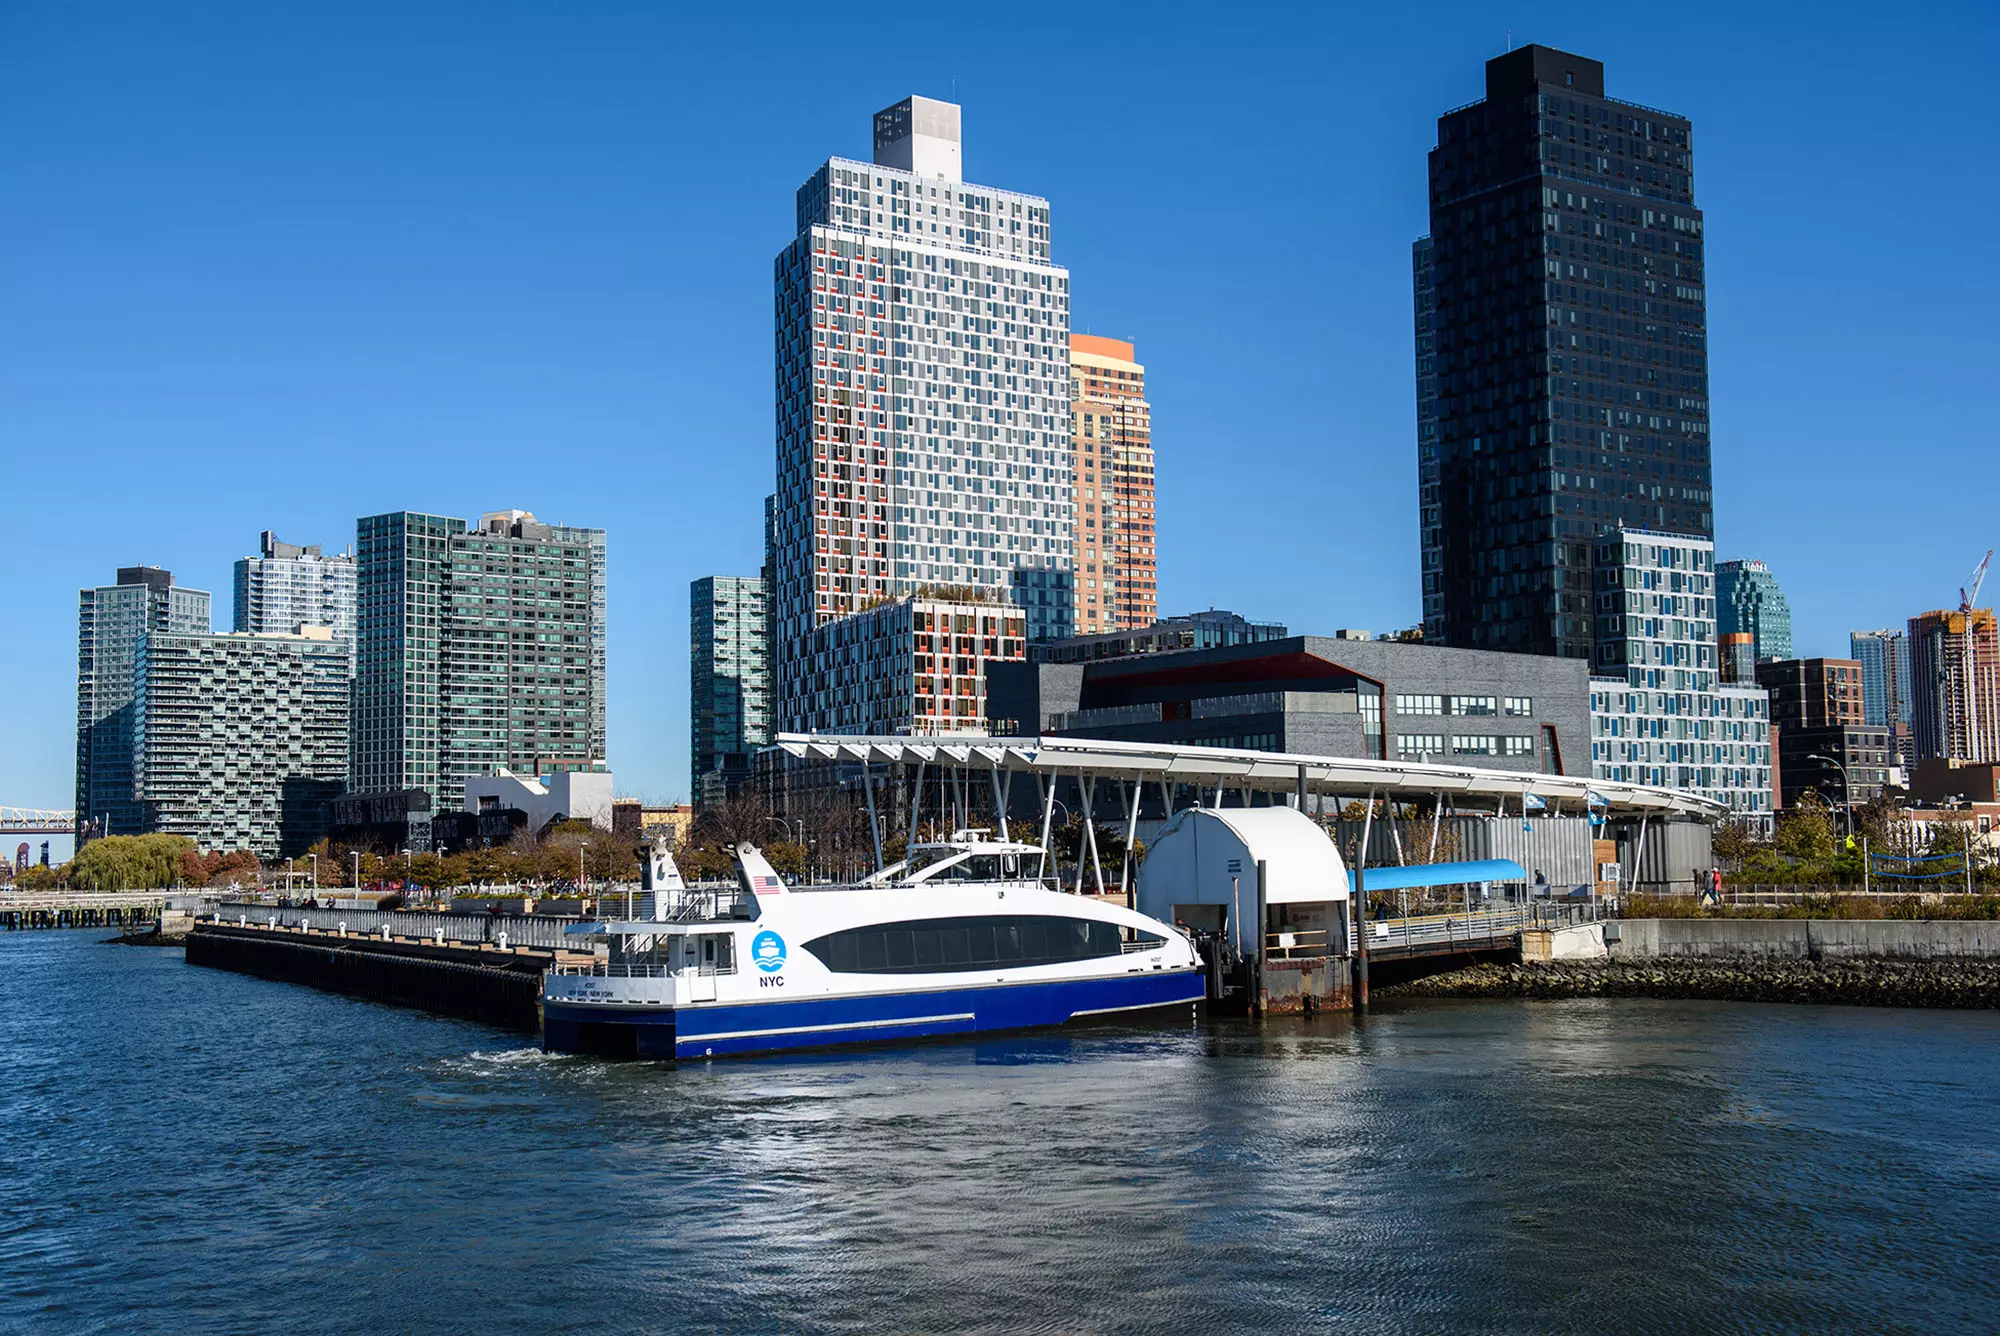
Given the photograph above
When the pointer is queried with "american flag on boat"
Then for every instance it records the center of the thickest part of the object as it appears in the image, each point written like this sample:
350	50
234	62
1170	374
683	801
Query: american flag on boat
766	884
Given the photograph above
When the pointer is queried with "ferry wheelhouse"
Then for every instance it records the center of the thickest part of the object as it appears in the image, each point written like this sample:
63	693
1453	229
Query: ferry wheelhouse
962	937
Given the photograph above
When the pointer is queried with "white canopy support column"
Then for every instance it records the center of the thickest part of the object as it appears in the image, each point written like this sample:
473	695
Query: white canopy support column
1090	841
1367	828
916	804
1638	858
1048	815
874	824
1131	838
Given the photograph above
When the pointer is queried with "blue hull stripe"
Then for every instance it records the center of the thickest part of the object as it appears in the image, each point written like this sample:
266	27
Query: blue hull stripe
758	1027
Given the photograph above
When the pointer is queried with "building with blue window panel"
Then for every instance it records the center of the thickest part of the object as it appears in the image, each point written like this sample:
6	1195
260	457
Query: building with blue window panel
1660	713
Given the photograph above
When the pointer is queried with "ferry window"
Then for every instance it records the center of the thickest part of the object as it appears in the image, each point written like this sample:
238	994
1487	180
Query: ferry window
872	952
925	946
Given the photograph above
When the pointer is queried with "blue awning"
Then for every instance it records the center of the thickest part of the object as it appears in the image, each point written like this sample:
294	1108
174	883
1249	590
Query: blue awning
1441	874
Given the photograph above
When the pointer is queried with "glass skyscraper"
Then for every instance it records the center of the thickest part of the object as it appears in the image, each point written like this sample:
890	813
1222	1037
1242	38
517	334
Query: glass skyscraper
923	364
480	647
1561	347
286	587
729	680
398	627
1749	602
1885	675
112	621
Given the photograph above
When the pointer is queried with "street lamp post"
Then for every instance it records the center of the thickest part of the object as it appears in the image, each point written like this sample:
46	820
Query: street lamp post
1846	787
315	872
357	871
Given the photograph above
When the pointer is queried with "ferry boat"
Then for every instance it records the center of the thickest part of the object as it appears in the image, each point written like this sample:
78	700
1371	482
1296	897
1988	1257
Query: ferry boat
962	937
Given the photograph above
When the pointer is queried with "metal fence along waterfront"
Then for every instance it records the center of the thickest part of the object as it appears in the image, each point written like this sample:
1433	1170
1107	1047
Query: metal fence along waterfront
515	929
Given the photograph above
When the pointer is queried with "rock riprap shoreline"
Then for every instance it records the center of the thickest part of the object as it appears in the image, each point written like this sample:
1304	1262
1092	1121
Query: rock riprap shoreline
1965	984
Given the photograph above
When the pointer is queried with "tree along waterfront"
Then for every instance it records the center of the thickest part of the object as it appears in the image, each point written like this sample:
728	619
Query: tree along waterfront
1811	846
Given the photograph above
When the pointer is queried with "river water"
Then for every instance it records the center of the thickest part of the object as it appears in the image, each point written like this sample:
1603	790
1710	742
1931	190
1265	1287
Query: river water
184	1150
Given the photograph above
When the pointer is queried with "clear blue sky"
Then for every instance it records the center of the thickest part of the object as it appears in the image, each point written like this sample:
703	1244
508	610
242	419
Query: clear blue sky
280	265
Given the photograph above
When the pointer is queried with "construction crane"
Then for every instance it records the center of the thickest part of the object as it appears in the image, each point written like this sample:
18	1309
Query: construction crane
1967	596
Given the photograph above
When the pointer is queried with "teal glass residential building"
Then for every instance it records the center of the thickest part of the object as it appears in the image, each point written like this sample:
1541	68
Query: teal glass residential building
729	681
111	622
1749	602
478	647
1885	675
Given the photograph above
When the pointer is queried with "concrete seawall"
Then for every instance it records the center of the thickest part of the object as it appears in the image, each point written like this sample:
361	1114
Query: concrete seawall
1855	981
1806	939
1856	962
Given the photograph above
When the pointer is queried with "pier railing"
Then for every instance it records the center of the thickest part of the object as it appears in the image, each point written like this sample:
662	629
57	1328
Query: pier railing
1479	928
514	929
126	909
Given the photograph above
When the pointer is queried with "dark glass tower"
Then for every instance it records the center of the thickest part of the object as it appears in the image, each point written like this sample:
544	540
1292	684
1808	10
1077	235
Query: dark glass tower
1562	345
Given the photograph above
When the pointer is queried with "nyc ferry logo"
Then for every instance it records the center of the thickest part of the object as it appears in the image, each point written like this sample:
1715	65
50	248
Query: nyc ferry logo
768	950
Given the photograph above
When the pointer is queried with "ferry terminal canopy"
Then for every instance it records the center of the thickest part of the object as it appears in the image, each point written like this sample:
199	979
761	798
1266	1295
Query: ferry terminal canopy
1334	777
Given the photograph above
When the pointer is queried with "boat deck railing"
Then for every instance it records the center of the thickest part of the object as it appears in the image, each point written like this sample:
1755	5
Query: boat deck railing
612	969
703	904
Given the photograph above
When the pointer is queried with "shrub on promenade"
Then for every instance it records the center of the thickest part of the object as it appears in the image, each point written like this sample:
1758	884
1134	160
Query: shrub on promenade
1907	907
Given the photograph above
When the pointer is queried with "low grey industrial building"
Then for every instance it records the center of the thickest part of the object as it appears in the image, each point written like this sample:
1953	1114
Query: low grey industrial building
1378	699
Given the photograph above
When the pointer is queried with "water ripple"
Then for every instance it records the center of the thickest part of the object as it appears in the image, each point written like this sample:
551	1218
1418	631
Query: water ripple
195	1151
